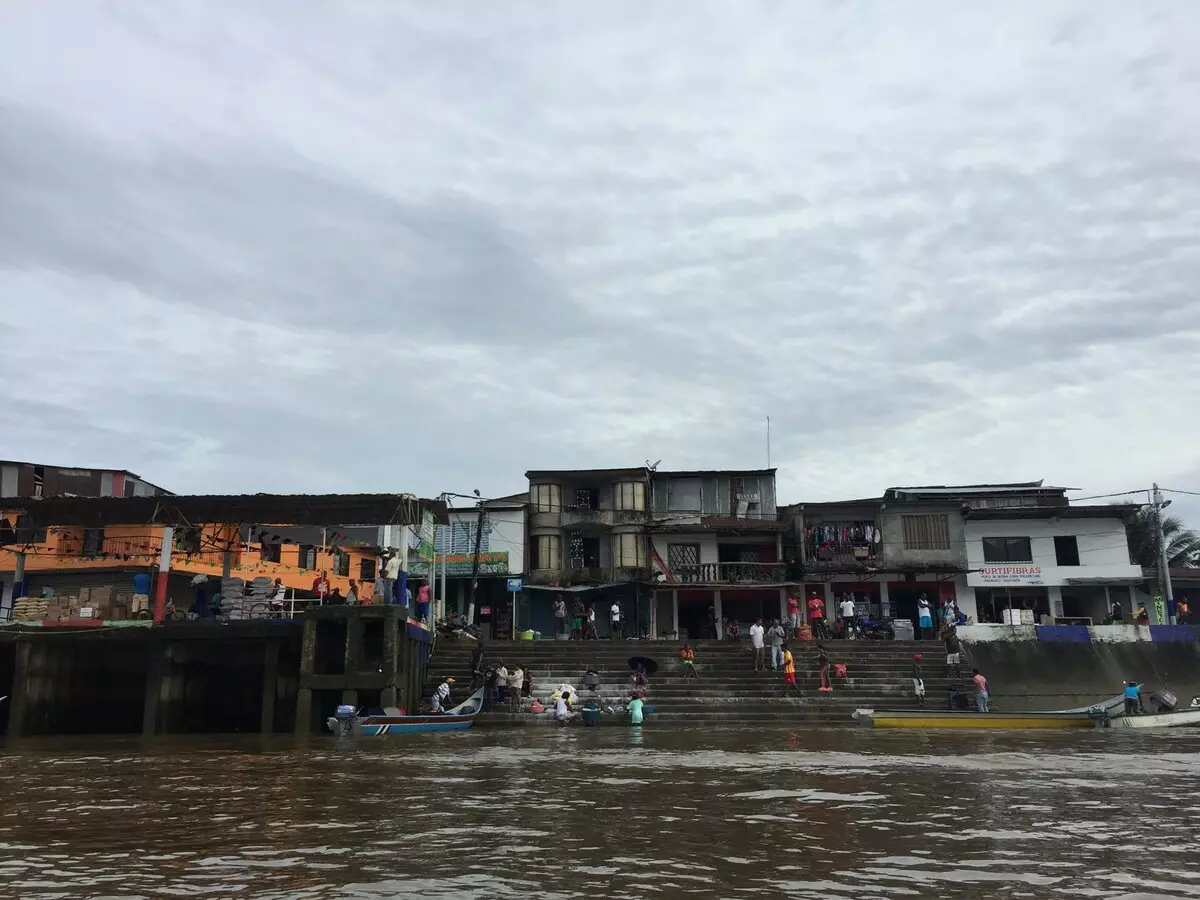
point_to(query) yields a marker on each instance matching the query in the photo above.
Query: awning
(577, 588)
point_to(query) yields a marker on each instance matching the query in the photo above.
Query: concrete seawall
(1047, 674)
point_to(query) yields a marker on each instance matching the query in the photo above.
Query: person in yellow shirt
(789, 668)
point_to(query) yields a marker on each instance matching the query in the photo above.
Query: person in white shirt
(441, 694)
(614, 618)
(757, 634)
(562, 709)
(501, 683)
(849, 615)
(776, 635)
(516, 681)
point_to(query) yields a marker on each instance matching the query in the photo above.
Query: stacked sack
(30, 609)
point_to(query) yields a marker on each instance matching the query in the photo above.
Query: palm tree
(1183, 545)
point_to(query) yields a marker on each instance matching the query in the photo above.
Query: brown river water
(608, 812)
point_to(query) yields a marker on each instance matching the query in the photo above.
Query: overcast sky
(419, 247)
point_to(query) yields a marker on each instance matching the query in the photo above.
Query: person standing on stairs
(560, 616)
(614, 621)
(688, 656)
(794, 615)
(918, 679)
(823, 668)
(953, 652)
(758, 643)
(776, 636)
(925, 618)
(789, 669)
(478, 672)
(816, 616)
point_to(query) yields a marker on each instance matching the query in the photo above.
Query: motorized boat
(1079, 717)
(348, 721)
(1180, 718)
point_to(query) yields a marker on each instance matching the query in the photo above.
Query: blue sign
(514, 585)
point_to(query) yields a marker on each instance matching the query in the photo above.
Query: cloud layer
(400, 247)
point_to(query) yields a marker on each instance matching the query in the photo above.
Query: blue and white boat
(460, 717)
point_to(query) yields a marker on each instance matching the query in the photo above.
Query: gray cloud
(407, 248)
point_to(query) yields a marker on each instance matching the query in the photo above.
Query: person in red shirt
(816, 616)
(794, 614)
(321, 586)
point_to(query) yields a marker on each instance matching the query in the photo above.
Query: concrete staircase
(728, 690)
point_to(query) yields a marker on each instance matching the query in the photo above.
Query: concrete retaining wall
(1060, 674)
(1078, 634)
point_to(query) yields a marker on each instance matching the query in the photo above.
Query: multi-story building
(952, 543)
(25, 479)
(677, 550)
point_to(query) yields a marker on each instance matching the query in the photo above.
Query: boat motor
(341, 722)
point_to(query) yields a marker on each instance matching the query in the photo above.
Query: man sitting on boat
(441, 694)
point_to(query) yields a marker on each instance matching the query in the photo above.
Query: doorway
(694, 619)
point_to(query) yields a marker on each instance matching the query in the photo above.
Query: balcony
(732, 573)
(593, 575)
(834, 545)
(581, 518)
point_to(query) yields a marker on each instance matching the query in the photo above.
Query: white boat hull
(1180, 719)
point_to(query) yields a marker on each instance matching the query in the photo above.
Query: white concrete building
(1068, 562)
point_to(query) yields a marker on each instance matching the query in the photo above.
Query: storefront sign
(459, 565)
(514, 585)
(1009, 575)
(426, 535)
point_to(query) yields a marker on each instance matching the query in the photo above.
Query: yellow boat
(947, 719)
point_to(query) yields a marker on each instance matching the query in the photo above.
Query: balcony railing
(731, 573)
(590, 575)
(841, 543)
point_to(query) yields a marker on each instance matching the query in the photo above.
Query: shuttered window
(547, 498)
(549, 551)
(631, 495)
(927, 532)
(629, 551)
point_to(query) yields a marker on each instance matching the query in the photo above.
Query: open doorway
(695, 622)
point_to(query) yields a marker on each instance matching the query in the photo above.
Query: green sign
(426, 535)
(460, 564)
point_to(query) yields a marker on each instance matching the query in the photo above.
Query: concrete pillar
(885, 600)
(675, 611)
(1132, 598)
(717, 612)
(783, 606)
(270, 686)
(155, 664)
(18, 589)
(391, 658)
(1056, 601)
(19, 708)
(164, 566)
(304, 698)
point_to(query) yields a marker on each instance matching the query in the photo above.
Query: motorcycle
(883, 630)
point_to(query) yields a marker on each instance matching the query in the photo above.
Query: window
(1066, 550)
(682, 556)
(631, 495)
(93, 541)
(341, 562)
(547, 498)
(548, 550)
(269, 552)
(587, 498)
(366, 569)
(927, 532)
(1007, 550)
(629, 551)
(306, 556)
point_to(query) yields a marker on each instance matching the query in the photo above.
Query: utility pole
(1163, 560)
(475, 561)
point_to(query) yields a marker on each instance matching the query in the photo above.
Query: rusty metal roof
(203, 509)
